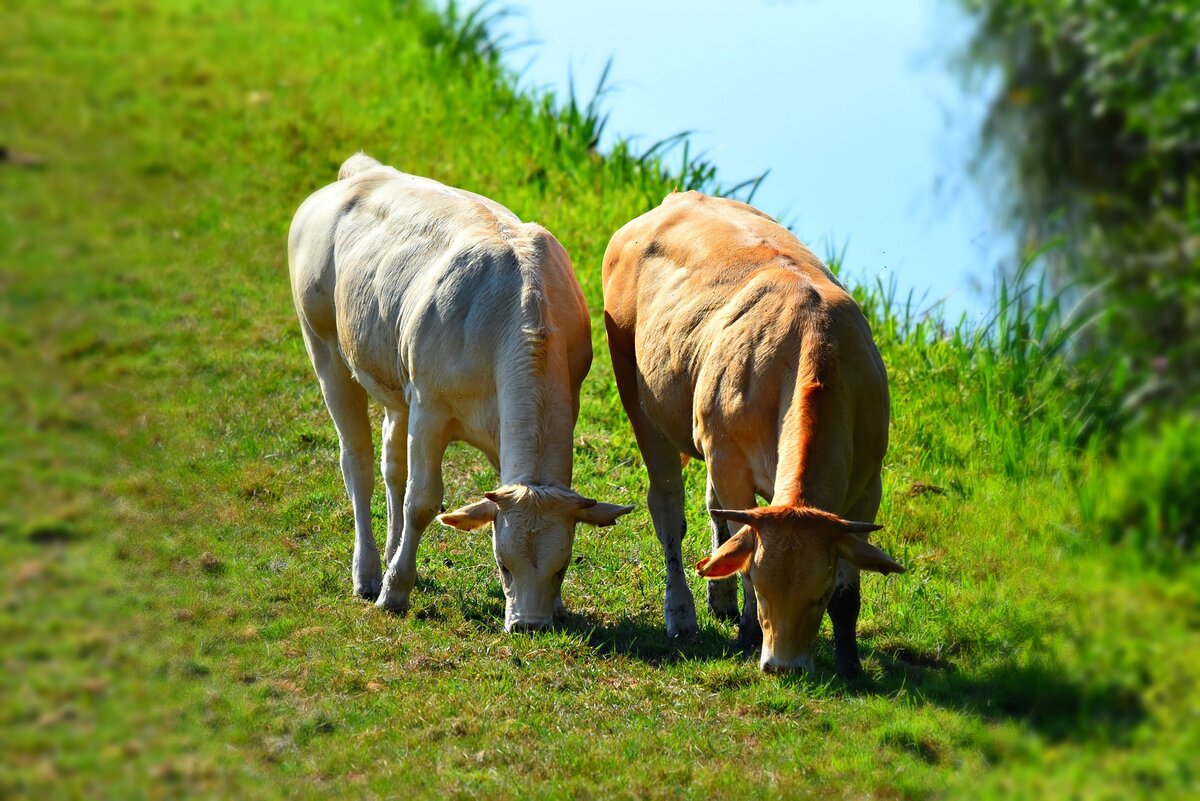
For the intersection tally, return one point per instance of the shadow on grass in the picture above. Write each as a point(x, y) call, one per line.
point(1040, 696)
point(647, 640)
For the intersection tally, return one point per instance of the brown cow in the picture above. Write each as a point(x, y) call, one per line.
point(733, 343)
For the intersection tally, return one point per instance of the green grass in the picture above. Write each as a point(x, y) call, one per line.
point(175, 607)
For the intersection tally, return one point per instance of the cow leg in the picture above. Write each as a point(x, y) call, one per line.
point(346, 401)
point(846, 601)
point(395, 475)
point(731, 483)
point(722, 593)
point(427, 443)
point(665, 500)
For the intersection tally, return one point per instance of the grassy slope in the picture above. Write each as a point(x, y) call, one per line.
point(174, 537)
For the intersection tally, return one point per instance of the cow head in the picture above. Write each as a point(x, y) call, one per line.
point(791, 554)
point(532, 534)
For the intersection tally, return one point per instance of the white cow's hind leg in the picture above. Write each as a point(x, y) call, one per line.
point(395, 475)
point(427, 442)
point(347, 403)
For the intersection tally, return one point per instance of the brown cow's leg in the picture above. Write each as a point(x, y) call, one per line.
point(843, 613)
point(846, 601)
point(732, 483)
point(722, 593)
point(665, 499)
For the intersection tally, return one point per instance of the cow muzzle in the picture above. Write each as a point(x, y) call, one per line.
point(770, 663)
point(525, 625)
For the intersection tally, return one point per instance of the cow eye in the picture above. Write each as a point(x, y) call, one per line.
point(560, 575)
point(506, 574)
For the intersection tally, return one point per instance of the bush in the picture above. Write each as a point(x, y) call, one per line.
point(1149, 497)
point(1099, 124)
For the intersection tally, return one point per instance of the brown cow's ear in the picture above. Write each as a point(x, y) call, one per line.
point(866, 556)
point(601, 514)
point(738, 516)
point(732, 557)
point(472, 516)
point(855, 527)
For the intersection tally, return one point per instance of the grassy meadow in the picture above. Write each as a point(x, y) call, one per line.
point(176, 614)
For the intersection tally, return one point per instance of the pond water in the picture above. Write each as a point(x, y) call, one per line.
point(855, 107)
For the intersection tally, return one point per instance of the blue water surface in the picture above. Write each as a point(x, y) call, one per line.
point(855, 106)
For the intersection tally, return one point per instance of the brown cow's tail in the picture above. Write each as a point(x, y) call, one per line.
point(359, 162)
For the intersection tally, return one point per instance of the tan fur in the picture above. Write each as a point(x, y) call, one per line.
point(733, 343)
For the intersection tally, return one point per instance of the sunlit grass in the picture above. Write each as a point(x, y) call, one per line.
point(175, 609)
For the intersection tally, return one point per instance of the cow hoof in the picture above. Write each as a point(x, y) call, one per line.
point(725, 612)
point(399, 605)
point(722, 600)
point(725, 615)
point(849, 669)
point(678, 630)
point(750, 638)
point(368, 590)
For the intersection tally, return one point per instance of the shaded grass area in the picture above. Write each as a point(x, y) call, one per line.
point(175, 610)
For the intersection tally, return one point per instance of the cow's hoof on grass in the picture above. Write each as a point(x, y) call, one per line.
point(722, 600)
point(368, 591)
point(397, 605)
point(682, 629)
point(849, 670)
point(750, 638)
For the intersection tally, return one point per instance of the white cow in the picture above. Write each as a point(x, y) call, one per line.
point(465, 324)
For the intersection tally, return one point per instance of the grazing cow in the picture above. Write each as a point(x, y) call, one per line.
point(733, 343)
point(465, 324)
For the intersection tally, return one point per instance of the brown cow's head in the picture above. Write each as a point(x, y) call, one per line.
point(533, 531)
point(791, 555)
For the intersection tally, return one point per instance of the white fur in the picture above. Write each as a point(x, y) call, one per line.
point(464, 323)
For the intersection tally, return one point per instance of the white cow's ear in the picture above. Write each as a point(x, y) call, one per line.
point(472, 516)
point(601, 514)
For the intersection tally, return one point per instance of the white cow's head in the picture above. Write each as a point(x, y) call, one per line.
point(533, 531)
point(791, 555)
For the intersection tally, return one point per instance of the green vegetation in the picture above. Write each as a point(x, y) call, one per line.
point(175, 606)
point(1099, 119)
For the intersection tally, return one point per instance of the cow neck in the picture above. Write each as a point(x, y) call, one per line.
point(807, 428)
point(536, 420)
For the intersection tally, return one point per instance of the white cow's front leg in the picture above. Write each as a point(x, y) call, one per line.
point(422, 500)
point(395, 476)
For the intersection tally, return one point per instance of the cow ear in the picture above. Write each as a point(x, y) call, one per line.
point(866, 556)
point(472, 516)
point(855, 527)
point(601, 514)
point(744, 517)
point(732, 557)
